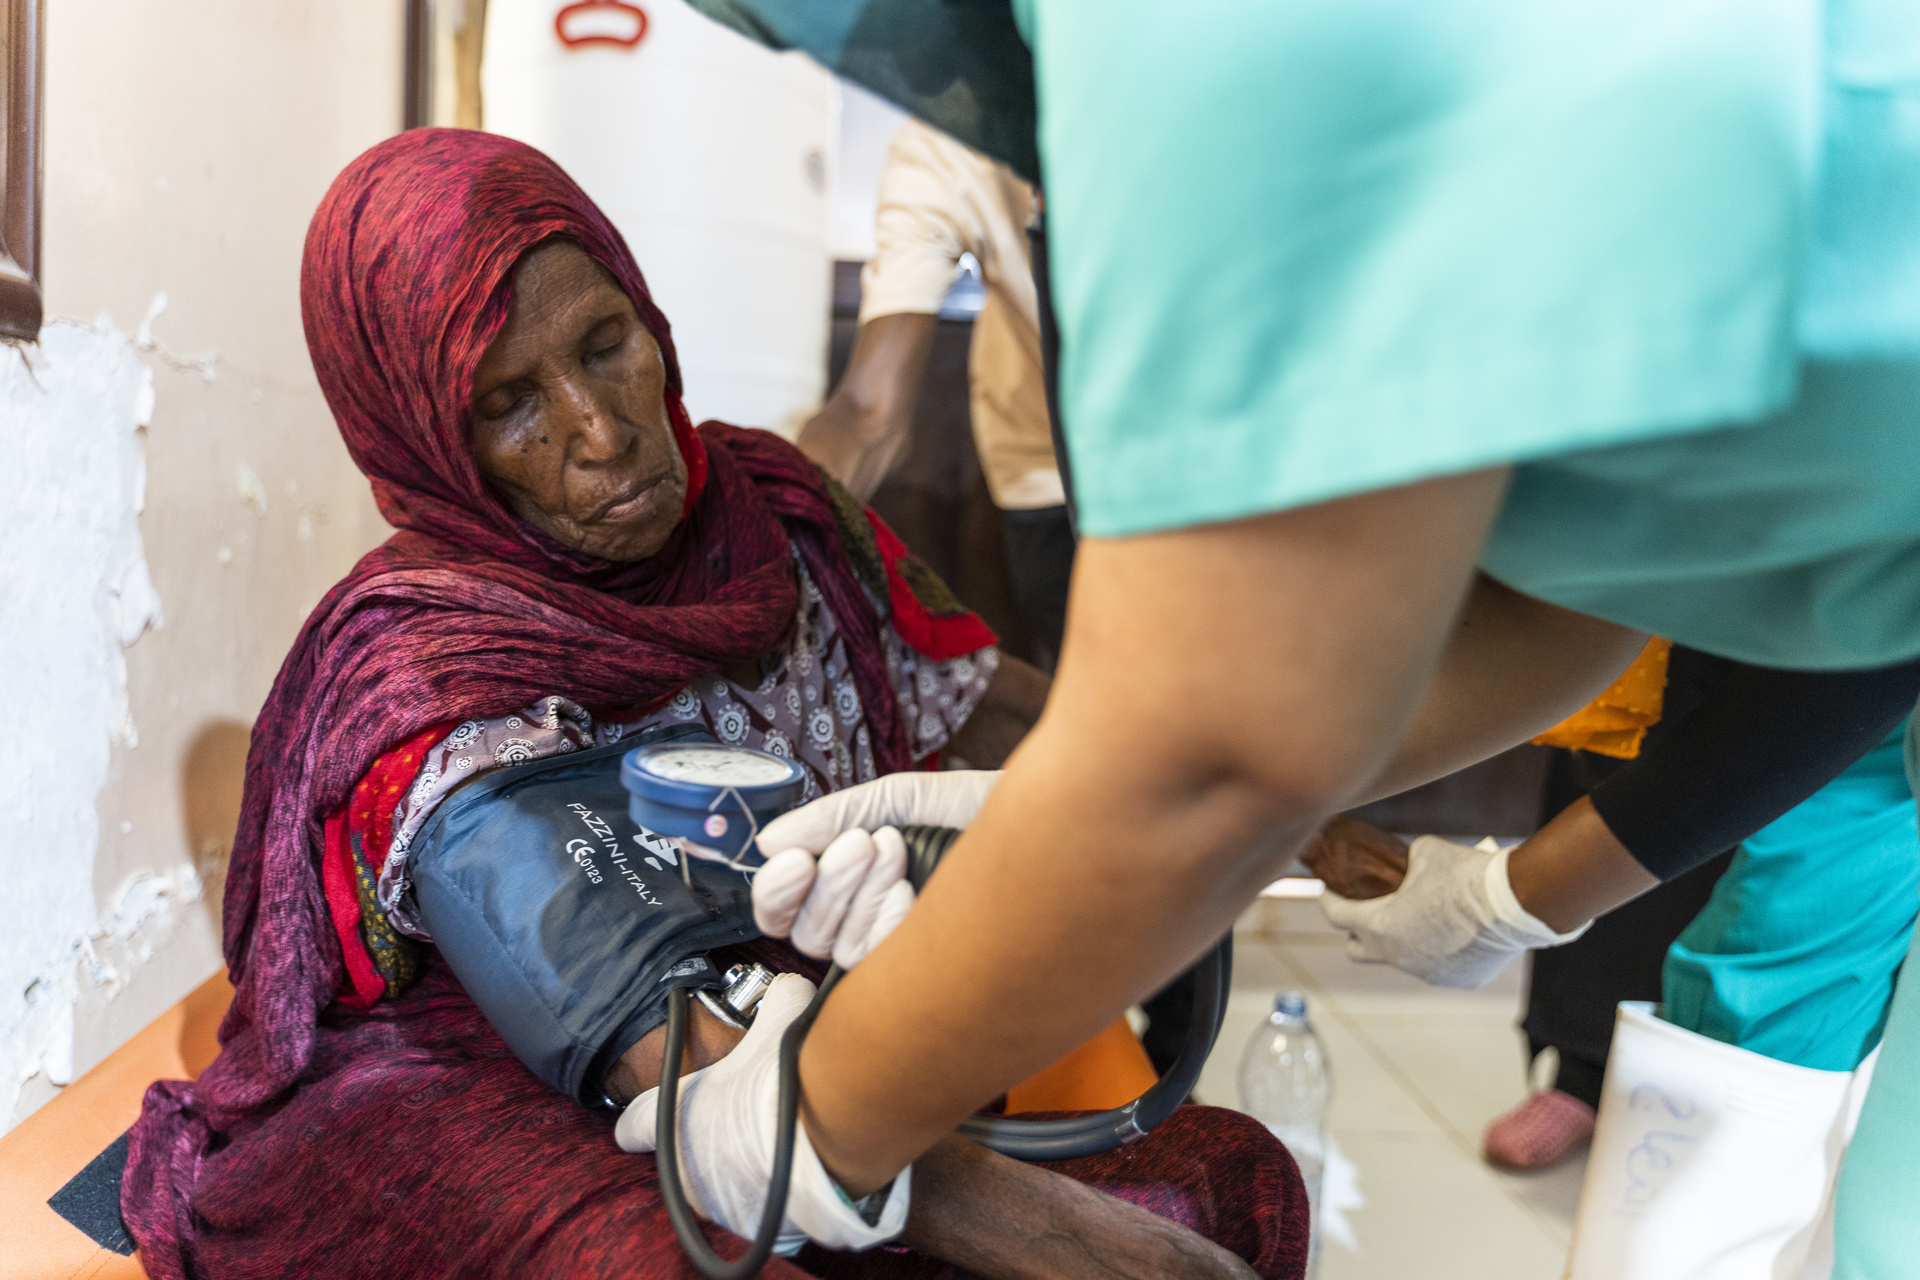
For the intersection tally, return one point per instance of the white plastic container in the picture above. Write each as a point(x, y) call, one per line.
point(712, 156)
point(1711, 1162)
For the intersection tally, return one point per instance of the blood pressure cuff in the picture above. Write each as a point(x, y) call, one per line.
point(566, 922)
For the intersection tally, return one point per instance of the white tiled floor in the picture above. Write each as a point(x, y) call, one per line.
point(1418, 1071)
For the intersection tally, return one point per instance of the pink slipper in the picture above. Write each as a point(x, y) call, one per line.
point(1539, 1132)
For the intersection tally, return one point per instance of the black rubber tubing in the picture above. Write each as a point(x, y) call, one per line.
point(666, 1140)
point(1066, 1139)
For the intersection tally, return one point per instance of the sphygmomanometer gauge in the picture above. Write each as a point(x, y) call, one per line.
point(711, 797)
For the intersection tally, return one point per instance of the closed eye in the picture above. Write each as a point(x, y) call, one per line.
point(607, 339)
point(504, 401)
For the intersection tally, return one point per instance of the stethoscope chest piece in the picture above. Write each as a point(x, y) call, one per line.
point(735, 1001)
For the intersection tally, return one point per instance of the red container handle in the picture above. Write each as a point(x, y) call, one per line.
point(633, 11)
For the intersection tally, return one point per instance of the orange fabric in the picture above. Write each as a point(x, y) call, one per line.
point(47, 1148)
point(1614, 723)
point(1109, 1070)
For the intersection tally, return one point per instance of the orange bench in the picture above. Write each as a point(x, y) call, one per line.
point(42, 1153)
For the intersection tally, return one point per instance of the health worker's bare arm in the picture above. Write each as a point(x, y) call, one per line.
point(1222, 690)
point(1514, 667)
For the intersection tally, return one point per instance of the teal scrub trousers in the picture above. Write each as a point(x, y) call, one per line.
point(1876, 1225)
point(1797, 956)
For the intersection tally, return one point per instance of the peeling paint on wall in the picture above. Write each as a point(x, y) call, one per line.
point(74, 590)
point(137, 925)
point(143, 340)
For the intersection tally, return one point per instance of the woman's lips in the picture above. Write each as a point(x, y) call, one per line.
point(624, 508)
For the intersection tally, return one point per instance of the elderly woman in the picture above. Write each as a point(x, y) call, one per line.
point(574, 564)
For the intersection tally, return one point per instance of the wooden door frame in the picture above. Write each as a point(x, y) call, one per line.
point(25, 78)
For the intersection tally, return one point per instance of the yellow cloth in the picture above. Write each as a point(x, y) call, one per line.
point(1107, 1071)
point(1614, 723)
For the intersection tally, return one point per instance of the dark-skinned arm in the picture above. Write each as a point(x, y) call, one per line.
point(1010, 707)
point(861, 432)
point(1761, 742)
point(1514, 667)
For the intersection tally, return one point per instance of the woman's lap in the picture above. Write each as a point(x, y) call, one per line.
point(421, 1146)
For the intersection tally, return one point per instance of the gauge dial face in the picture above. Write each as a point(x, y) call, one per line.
point(717, 767)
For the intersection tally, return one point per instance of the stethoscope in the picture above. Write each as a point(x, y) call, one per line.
point(715, 798)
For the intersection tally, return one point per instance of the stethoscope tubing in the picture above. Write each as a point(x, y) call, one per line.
point(1031, 1140)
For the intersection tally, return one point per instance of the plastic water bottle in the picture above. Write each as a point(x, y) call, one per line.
point(1284, 1084)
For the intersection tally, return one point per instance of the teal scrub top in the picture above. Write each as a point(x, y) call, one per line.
point(1661, 255)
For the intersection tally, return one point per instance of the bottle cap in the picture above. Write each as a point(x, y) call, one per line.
point(1291, 1004)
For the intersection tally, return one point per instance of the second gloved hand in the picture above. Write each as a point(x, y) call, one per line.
point(729, 1113)
point(1454, 920)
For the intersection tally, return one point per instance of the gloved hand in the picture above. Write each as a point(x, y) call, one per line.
point(1454, 920)
point(842, 904)
point(728, 1115)
point(838, 891)
point(948, 799)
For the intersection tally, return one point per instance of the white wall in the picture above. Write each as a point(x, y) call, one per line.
point(74, 588)
point(866, 127)
point(187, 145)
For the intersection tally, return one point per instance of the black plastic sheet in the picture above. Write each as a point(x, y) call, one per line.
point(959, 65)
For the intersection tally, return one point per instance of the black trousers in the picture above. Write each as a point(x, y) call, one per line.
point(1040, 561)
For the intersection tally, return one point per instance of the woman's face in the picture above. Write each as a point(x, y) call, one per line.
point(570, 414)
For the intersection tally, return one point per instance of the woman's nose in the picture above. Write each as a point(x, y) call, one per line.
point(595, 433)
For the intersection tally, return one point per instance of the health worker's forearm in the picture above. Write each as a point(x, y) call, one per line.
point(1759, 743)
point(1514, 667)
point(1221, 691)
point(1574, 869)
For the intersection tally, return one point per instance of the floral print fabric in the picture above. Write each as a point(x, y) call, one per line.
point(806, 708)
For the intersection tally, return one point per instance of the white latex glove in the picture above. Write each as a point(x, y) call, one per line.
point(1454, 920)
point(842, 904)
point(728, 1115)
point(835, 890)
point(948, 799)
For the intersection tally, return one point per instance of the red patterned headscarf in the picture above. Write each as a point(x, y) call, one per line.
point(407, 278)
point(468, 610)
